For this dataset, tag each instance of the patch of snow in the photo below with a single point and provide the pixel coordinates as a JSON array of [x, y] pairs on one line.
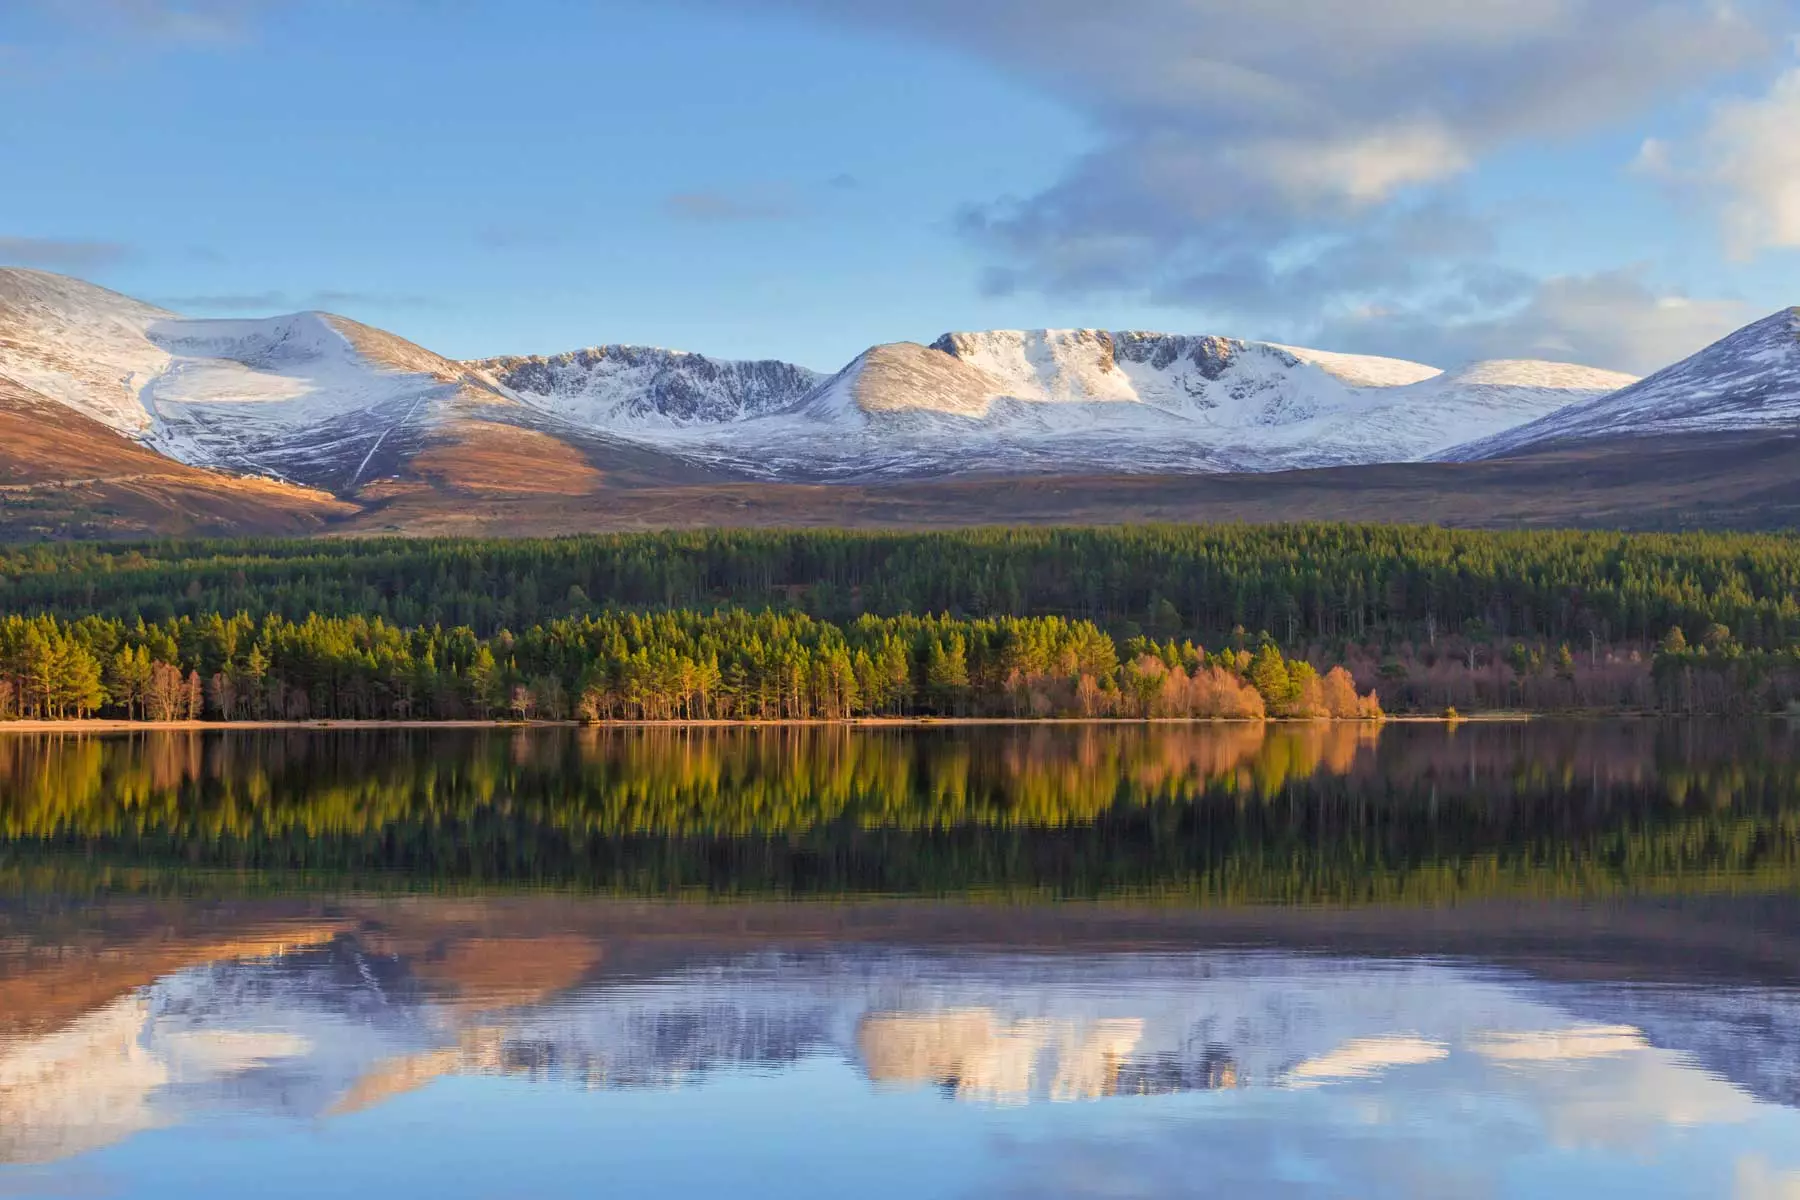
[[1363, 370], [276, 395]]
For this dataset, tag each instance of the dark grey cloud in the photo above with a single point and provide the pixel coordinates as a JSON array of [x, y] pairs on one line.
[[62, 254], [714, 207]]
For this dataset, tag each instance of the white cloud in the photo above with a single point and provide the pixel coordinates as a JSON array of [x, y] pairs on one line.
[[1612, 319], [1258, 163], [1748, 161], [1756, 1180], [1364, 169]]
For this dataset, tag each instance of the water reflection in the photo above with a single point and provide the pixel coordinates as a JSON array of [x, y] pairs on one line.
[[1224, 813], [1543, 1040], [1531, 960]]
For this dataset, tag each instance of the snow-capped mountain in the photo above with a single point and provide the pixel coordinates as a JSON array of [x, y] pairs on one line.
[[323, 400], [309, 397], [627, 387], [80, 345], [1748, 381], [1090, 400]]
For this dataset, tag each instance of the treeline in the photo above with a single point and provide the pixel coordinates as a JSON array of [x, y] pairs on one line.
[[666, 665], [1301, 583]]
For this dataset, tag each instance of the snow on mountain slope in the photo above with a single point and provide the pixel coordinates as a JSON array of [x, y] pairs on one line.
[[307, 397], [304, 396], [1243, 382], [1089, 400], [620, 387], [1748, 381], [1362, 370], [322, 400], [80, 345], [1490, 397]]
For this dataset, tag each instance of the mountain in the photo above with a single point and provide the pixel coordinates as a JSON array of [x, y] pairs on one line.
[[1749, 382], [79, 345], [627, 387], [321, 400], [310, 398], [121, 417], [1023, 402], [64, 473]]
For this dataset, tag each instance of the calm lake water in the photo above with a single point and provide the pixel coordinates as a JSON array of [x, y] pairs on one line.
[[1519, 960]]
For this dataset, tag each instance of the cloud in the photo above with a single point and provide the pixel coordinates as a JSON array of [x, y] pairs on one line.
[[1757, 1180], [61, 254], [280, 302], [333, 299], [170, 21], [1611, 319], [1265, 161], [1746, 163], [712, 207], [229, 301]]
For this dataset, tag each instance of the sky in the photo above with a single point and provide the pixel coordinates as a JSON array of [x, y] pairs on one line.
[[1612, 182]]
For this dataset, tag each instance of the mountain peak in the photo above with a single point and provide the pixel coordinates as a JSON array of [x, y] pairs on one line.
[[1537, 373], [1746, 381], [621, 387]]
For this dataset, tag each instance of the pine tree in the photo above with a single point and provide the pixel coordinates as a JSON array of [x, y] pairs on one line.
[[1269, 676], [947, 672]]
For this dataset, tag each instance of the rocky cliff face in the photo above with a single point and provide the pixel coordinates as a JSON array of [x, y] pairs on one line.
[[627, 386]]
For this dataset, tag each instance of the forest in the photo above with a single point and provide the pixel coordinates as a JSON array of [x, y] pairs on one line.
[[659, 666], [1197, 621]]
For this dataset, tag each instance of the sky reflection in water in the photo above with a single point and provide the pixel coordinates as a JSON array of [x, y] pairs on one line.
[[419, 1048], [167, 1032]]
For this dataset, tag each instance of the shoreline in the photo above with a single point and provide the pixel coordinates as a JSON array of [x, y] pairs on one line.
[[107, 725]]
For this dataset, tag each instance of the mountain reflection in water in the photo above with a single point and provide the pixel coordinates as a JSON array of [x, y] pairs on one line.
[[1512, 960], [1547, 1029]]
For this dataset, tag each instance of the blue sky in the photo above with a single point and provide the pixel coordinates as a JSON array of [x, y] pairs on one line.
[[1609, 181]]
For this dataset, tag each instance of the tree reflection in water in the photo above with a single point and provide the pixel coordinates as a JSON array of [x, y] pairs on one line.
[[1216, 813]]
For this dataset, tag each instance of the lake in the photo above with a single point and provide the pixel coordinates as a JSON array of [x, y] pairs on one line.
[[962, 961]]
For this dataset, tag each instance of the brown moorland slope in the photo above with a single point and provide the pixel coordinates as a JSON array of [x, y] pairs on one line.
[[65, 475], [1724, 482]]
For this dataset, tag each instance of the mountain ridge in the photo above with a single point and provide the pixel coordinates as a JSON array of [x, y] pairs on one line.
[[325, 402]]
